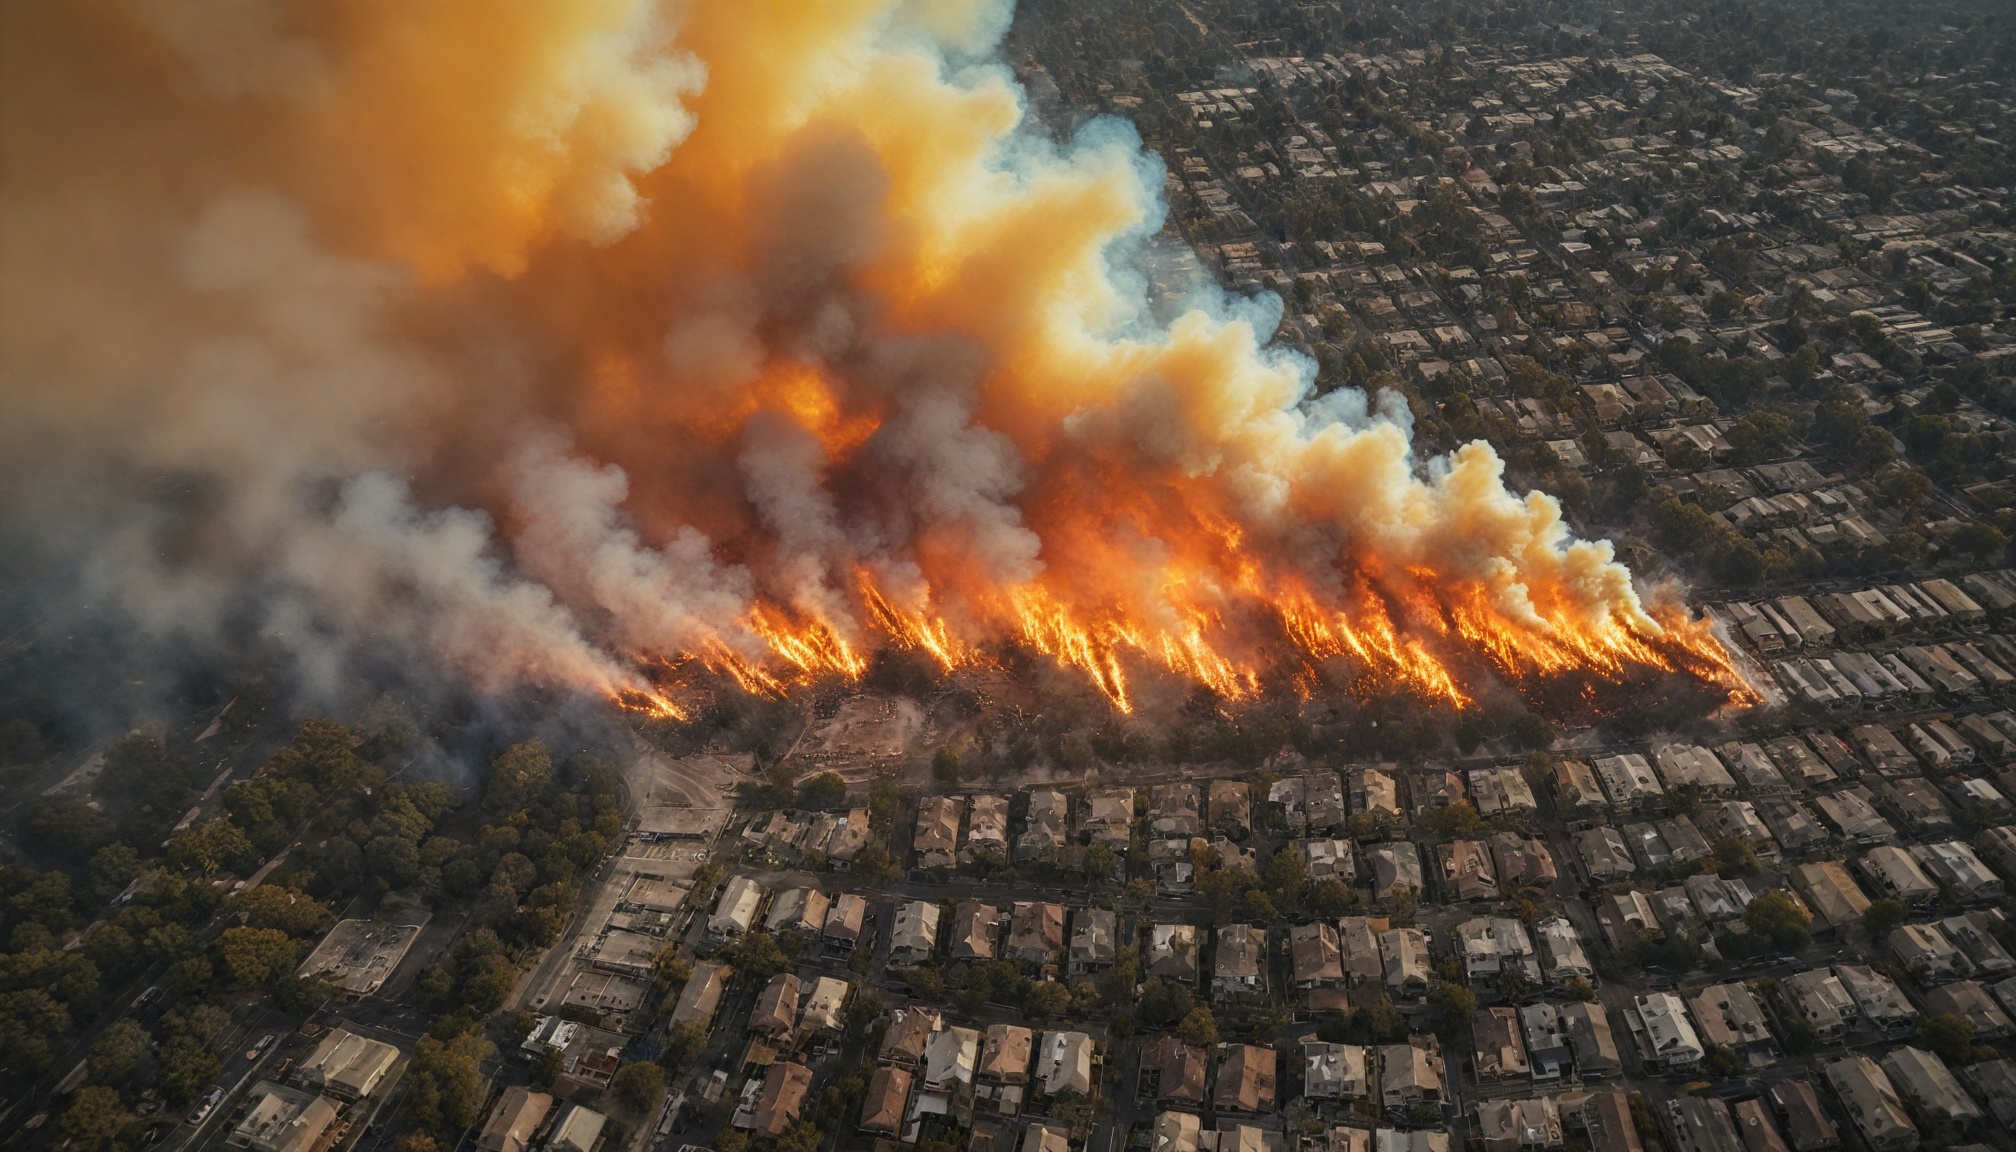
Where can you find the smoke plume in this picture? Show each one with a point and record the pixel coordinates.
(558, 342)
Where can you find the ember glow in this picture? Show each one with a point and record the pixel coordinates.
(745, 336)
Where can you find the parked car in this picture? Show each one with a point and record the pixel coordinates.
(204, 1105)
(259, 1049)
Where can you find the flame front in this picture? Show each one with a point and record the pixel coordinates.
(813, 345)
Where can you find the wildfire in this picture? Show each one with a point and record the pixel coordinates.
(649, 704)
(915, 630)
(814, 648)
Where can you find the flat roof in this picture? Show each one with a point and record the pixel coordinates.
(359, 955)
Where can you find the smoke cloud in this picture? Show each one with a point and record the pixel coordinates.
(548, 342)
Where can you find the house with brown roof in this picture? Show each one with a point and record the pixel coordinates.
(1606, 1118)
(1523, 862)
(1035, 932)
(1467, 872)
(1240, 966)
(1179, 1069)
(1246, 1079)
(882, 1107)
(1500, 1052)
(517, 1115)
(1807, 1125)
(937, 837)
(782, 1099)
(976, 931)
(1315, 955)
(777, 1005)
(908, 1034)
(1172, 952)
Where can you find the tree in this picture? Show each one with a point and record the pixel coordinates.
(518, 776)
(1532, 731)
(1199, 1028)
(826, 790)
(1777, 918)
(683, 1044)
(211, 847)
(1454, 1005)
(639, 1086)
(1949, 1036)
(187, 1065)
(757, 956)
(94, 1119)
(445, 1092)
(1047, 998)
(945, 765)
(288, 909)
(1458, 821)
(117, 1054)
(1579, 988)
(1883, 915)
(256, 957)
(1735, 857)
(1331, 897)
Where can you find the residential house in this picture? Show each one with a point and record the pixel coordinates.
(1231, 806)
(1109, 817)
(1173, 811)
(701, 997)
(1094, 943)
(1670, 1040)
(511, 1124)
(1954, 865)
(1878, 999)
(821, 1007)
(986, 828)
(1179, 1070)
(1971, 1002)
(1035, 932)
(1246, 1079)
(776, 1007)
(1896, 873)
(1730, 1017)
(1358, 941)
(1927, 954)
(908, 1035)
(1820, 999)
(1403, 954)
(1608, 1123)
(1373, 792)
(1315, 955)
(1396, 865)
(937, 837)
(1523, 862)
(1547, 1051)
(1923, 1079)
(1410, 1073)
(1699, 1124)
(1048, 827)
(782, 1098)
(1684, 765)
(1807, 1126)
(1561, 949)
(1576, 787)
(1064, 1064)
(976, 931)
(1994, 1081)
(735, 913)
(1240, 965)
(913, 939)
(1595, 1046)
(1624, 917)
(1872, 1103)
(845, 921)
(1501, 790)
(1605, 856)
(1333, 1071)
(1323, 801)
(1003, 1073)
(1629, 781)
(1467, 873)
(1836, 901)
(883, 1106)
(1499, 1052)
(1172, 953)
